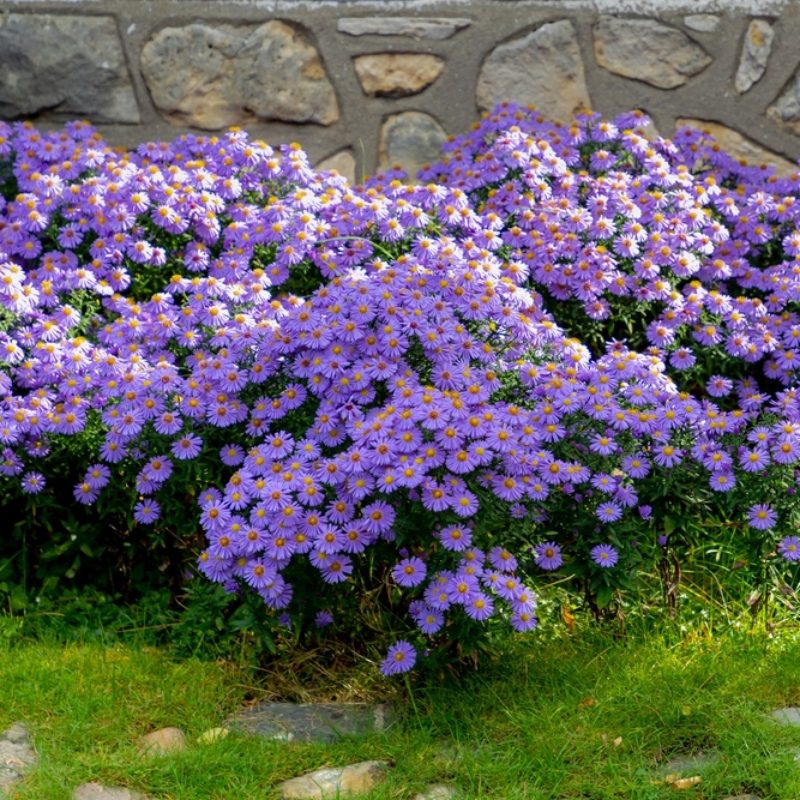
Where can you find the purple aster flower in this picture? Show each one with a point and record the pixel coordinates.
(479, 607)
(146, 511)
(157, 470)
(456, 538)
(722, 481)
(97, 476)
(337, 568)
(409, 572)
(604, 555)
(501, 559)
(33, 482)
(523, 621)
(789, 548)
(786, 451)
(285, 620)
(323, 619)
(603, 445)
(668, 456)
(378, 517)
(636, 466)
(400, 658)
(645, 512)
(762, 517)
(465, 504)
(682, 358)
(608, 512)
(461, 588)
(719, 386)
(85, 494)
(548, 556)
(187, 447)
(429, 620)
(231, 455)
(755, 460)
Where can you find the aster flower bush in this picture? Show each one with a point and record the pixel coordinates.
(565, 349)
(680, 253)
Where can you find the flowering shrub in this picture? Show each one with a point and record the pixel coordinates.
(577, 329)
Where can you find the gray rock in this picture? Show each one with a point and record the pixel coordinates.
(690, 764)
(437, 791)
(343, 162)
(17, 756)
(543, 68)
(410, 140)
(740, 147)
(96, 791)
(787, 716)
(436, 28)
(785, 110)
(702, 23)
(312, 722)
(648, 51)
(64, 64)
(397, 74)
(335, 782)
(213, 76)
(742, 797)
(756, 48)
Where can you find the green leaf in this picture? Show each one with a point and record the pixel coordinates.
(604, 596)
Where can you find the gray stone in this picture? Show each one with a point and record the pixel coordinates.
(17, 756)
(702, 23)
(64, 64)
(312, 722)
(213, 76)
(742, 797)
(343, 162)
(787, 716)
(410, 140)
(756, 48)
(96, 791)
(740, 147)
(543, 68)
(335, 782)
(785, 110)
(648, 51)
(436, 28)
(690, 763)
(437, 791)
(397, 74)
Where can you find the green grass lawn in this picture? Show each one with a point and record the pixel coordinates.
(561, 716)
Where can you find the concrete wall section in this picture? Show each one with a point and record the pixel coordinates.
(363, 84)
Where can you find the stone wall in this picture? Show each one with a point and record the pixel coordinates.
(363, 84)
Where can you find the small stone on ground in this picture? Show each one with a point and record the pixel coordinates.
(334, 782)
(689, 764)
(313, 722)
(787, 716)
(162, 741)
(742, 797)
(16, 756)
(96, 791)
(437, 791)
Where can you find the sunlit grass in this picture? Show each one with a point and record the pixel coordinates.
(587, 715)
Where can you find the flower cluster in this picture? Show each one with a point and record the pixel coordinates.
(371, 356)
